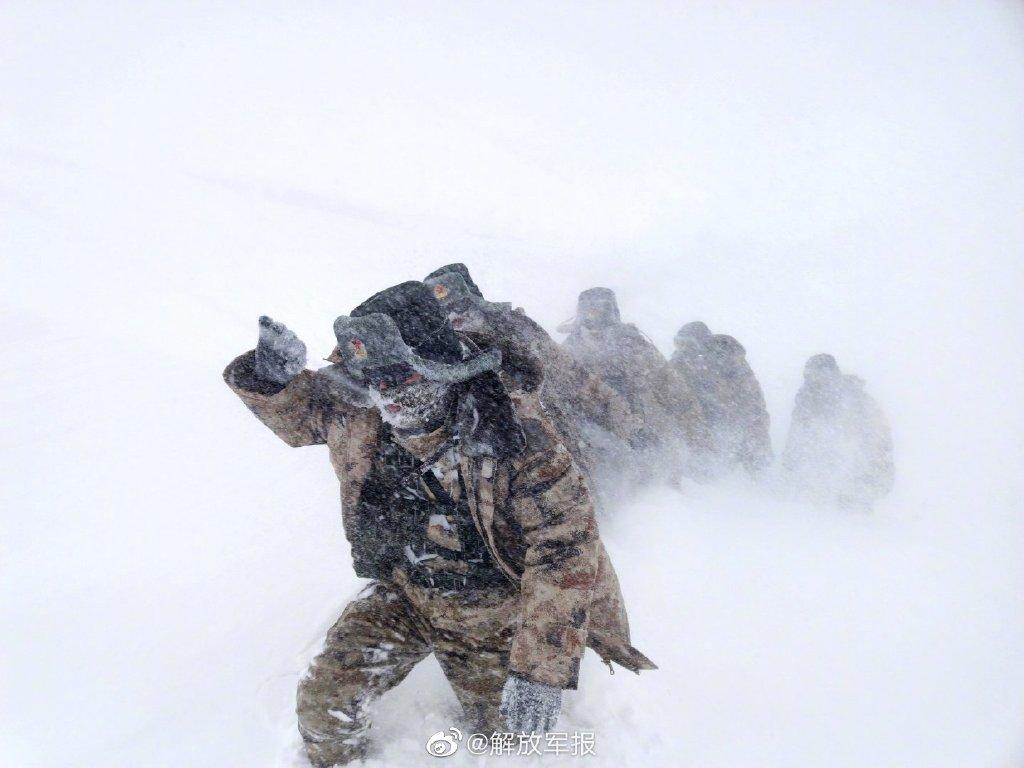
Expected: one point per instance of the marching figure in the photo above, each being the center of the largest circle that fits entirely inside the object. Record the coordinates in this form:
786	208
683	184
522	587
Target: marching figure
593	421
716	368
674	427
839	445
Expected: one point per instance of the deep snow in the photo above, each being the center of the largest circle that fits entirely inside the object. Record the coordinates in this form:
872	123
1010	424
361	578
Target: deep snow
843	177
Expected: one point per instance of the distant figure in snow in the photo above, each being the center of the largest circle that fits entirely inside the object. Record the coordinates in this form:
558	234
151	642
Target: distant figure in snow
594	422
716	368
674	427
839	445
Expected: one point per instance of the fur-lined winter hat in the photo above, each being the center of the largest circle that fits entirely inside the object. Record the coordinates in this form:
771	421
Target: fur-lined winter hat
696	331
593	303
452	291
404	325
821	366
598	298
458	268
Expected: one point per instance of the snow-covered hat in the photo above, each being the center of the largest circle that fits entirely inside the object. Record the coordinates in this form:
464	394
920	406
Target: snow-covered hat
404	324
598	297
456	295
821	365
460	269
696	331
590	301
452	291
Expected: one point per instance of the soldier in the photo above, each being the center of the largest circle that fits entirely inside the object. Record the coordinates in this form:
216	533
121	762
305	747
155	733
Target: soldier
674	424
716	368
463	508
593	421
839	444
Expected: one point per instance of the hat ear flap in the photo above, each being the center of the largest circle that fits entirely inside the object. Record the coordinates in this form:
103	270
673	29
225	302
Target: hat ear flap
454	373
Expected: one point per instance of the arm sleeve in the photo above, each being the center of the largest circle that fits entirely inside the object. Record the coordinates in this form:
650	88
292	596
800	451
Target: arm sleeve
758	453
294	412
554	509
878	466
609	409
678	398
795	451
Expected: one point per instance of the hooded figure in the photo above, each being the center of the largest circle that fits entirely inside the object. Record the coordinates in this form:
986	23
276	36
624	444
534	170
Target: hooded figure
593	421
460	504
716	368
839	445
674	425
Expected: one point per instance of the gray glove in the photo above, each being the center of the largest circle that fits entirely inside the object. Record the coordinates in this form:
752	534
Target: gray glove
530	707
280	354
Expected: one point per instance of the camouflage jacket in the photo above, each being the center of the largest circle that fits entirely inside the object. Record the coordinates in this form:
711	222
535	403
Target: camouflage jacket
533	511
630	363
839	438
533	362
732	399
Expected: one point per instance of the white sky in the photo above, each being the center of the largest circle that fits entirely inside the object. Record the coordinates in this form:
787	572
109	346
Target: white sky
828	176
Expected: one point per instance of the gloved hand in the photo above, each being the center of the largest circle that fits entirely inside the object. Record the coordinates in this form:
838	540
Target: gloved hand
280	354
530	707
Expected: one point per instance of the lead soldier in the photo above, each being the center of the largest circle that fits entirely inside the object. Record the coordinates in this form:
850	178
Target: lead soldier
463	508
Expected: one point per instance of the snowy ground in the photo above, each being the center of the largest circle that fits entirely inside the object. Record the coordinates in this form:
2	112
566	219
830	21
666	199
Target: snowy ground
845	177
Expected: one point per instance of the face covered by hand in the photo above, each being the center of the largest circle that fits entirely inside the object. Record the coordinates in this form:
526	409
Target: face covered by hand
406	400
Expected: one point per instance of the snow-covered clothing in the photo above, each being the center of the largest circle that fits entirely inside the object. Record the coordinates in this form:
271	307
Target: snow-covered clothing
529	507
839	444
716	368
674	424
577	402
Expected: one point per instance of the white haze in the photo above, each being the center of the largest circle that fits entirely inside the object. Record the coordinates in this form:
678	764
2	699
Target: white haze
842	177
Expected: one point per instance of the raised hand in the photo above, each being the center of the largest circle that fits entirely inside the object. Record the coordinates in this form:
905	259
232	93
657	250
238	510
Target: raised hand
280	354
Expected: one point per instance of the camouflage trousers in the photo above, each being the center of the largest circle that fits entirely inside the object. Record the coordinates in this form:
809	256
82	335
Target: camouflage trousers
381	636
